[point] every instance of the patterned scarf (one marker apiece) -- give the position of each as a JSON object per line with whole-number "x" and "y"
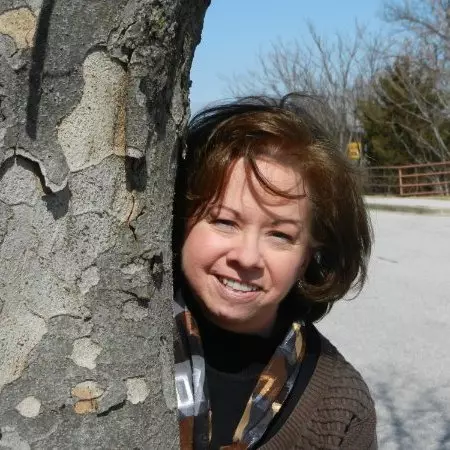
{"x": 272, "y": 388}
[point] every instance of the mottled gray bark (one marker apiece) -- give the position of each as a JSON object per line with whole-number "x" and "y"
{"x": 93, "y": 99}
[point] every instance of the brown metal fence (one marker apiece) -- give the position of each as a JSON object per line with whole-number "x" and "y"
{"x": 410, "y": 180}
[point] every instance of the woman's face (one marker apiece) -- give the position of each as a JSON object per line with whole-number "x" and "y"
{"x": 244, "y": 256}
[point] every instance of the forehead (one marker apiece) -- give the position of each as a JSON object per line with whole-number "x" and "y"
{"x": 243, "y": 190}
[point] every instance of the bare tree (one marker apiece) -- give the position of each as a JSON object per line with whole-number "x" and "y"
{"x": 427, "y": 21}
{"x": 93, "y": 103}
{"x": 424, "y": 29}
{"x": 335, "y": 70}
{"x": 421, "y": 102}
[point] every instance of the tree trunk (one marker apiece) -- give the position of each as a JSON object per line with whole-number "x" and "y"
{"x": 93, "y": 102}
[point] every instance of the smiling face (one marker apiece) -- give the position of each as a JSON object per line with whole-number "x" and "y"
{"x": 244, "y": 256}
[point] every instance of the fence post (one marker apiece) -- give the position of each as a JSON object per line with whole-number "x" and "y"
{"x": 400, "y": 181}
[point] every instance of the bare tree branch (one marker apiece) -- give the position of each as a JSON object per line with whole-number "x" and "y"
{"x": 338, "y": 71}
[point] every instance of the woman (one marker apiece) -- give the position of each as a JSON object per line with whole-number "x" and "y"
{"x": 270, "y": 231}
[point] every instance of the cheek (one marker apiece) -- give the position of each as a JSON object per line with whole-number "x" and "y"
{"x": 201, "y": 247}
{"x": 191, "y": 252}
{"x": 290, "y": 270}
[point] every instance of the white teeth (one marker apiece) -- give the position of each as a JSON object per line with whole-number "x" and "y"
{"x": 237, "y": 286}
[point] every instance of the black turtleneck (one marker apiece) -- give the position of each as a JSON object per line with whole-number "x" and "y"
{"x": 233, "y": 364}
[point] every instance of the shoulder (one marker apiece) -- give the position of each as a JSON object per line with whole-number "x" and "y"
{"x": 344, "y": 382}
{"x": 345, "y": 414}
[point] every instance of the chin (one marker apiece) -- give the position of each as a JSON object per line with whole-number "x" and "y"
{"x": 241, "y": 323}
{"x": 228, "y": 316}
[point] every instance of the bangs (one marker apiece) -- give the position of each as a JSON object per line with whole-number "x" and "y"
{"x": 206, "y": 187}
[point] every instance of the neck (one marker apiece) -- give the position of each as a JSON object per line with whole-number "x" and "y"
{"x": 232, "y": 351}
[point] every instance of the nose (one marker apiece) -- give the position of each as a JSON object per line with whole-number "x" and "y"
{"x": 246, "y": 252}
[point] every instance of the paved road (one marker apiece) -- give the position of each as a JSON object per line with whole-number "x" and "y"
{"x": 397, "y": 332}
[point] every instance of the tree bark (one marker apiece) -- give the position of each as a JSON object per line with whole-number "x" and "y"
{"x": 93, "y": 104}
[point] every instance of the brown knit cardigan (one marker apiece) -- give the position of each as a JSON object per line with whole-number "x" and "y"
{"x": 335, "y": 411}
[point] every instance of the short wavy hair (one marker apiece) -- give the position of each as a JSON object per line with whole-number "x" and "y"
{"x": 285, "y": 131}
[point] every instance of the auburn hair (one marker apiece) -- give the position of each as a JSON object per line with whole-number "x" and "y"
{"x": 286, "y": 132}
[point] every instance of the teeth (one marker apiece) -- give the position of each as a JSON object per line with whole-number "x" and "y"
{"x": 237, "y": 286}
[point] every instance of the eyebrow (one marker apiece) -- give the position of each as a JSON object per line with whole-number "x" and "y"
{"x": 281, "y": 221}
{"x": 275, "y": 222}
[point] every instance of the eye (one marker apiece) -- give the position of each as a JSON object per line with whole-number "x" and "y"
{"x": 282, "y": 236}
{"x": 223, "y": 223}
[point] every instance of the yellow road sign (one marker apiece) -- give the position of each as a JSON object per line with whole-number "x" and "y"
{"x": 354, "y": 150}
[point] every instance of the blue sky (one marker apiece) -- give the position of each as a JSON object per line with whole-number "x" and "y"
{"x": 235, "y": 31}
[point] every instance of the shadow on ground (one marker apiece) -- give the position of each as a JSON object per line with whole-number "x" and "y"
{"x": 410, "y": 415}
